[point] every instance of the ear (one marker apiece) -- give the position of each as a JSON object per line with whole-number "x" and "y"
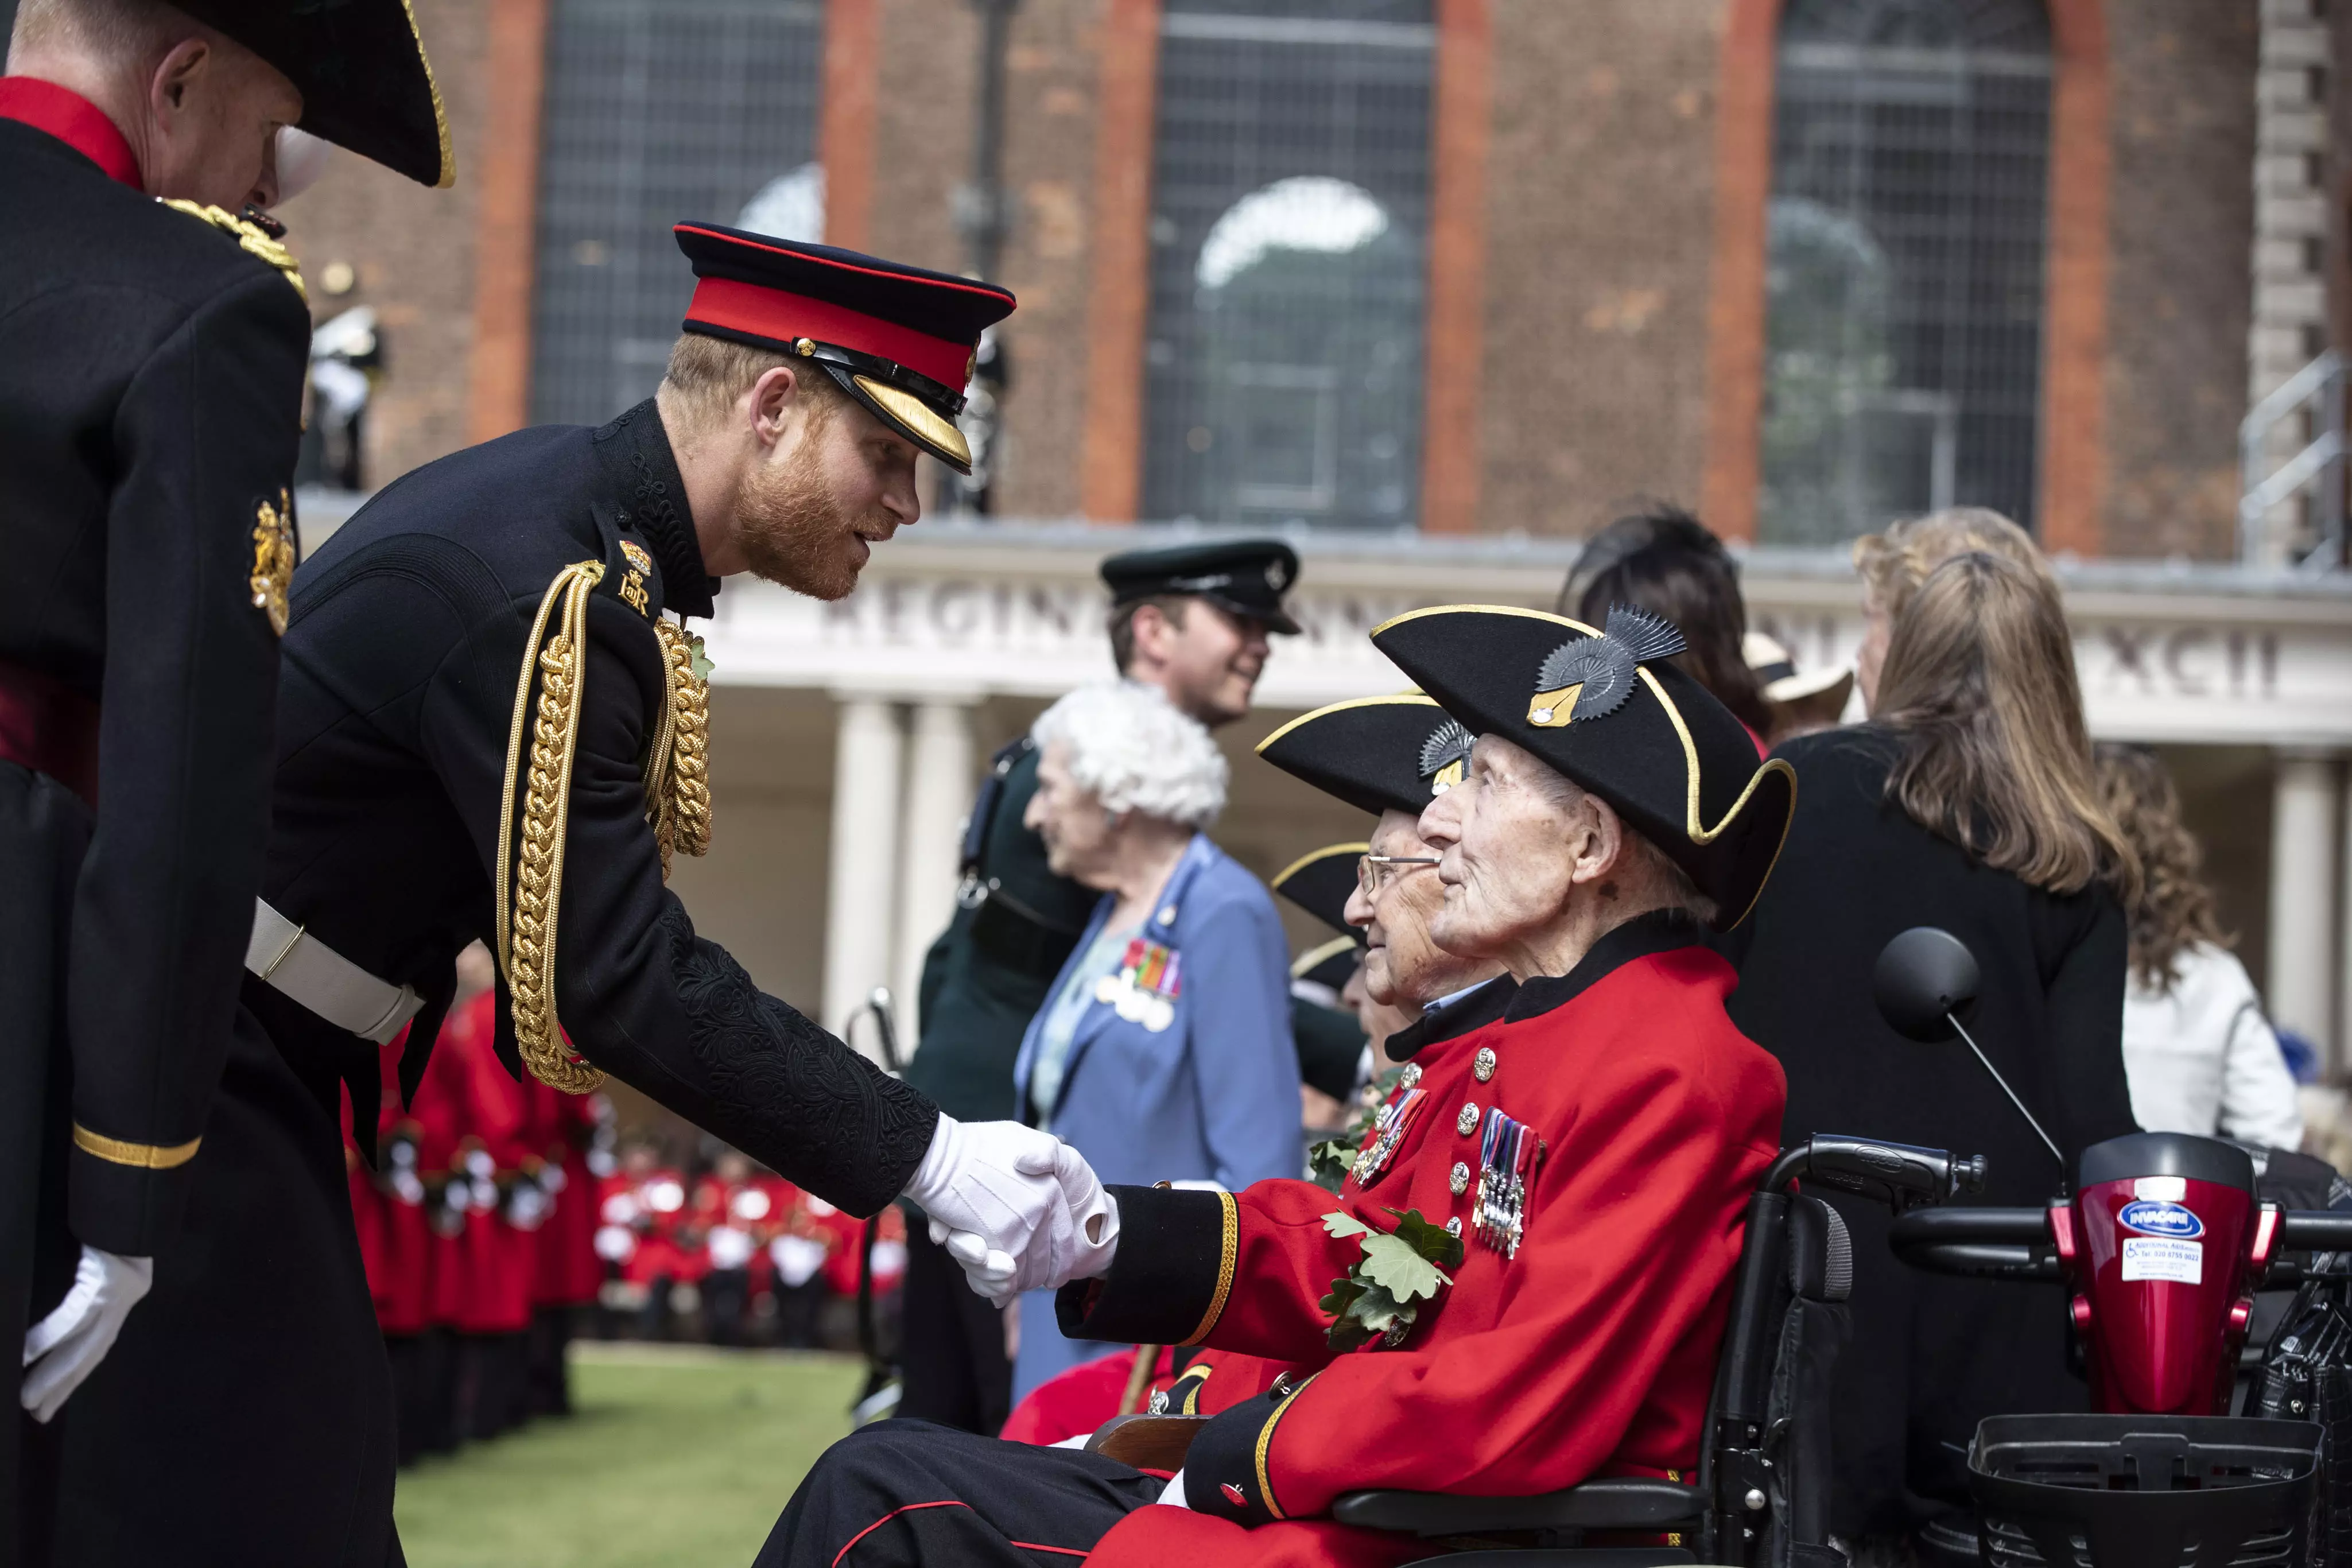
{"x": 770, "y": 403}
{"x": 179, "y": 68}
{"x": 1597, "y": 835}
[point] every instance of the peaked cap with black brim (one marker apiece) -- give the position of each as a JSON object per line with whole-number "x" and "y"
{"x": 360, "y": 68}
{"x": 1377, "y": 753}
{"x": 901, "y": 339}
{"x": 1608, "y": 713}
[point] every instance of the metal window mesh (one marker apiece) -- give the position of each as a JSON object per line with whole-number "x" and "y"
{"x": 1291, "y": 211}
{"x": 657, "y": 111}
{"x": 1910, "y": 180}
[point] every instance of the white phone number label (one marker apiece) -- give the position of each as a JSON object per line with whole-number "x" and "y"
{"x": 2161, "y": 1258}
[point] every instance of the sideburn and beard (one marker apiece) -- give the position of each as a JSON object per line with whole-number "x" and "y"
{"x": 793, "y": 531}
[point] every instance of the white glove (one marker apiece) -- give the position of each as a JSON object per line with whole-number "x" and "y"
{"x": 1095, "y": 1213}
{"x": 67, "y": 1346}
{"x": 1174, "y": 1495}
{"x": 998, "y": 1204}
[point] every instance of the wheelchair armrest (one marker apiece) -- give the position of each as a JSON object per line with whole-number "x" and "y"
{"x": 1628, "y": 1502}
{"x": 1147, "y": 1442}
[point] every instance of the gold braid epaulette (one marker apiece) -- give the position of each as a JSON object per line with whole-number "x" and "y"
{"x": 677, "y": 778}
{"x": 527, "y": 920}
{"x": 251, "y": 237}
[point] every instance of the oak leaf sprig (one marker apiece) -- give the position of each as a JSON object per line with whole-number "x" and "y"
{"x": 1378, "y": 1296}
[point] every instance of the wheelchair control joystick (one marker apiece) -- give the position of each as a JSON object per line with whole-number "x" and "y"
{"x": 1903, "y": 1176}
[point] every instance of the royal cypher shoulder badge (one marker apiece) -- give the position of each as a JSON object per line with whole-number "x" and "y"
{"x": 273, "y": 558}
{"x": 1591, "y": 676}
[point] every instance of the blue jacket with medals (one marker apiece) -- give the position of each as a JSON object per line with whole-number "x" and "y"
{"x": 1182, "y": 1068}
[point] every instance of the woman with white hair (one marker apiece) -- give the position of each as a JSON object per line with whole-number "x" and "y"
{"x": 1163, "y": 1051}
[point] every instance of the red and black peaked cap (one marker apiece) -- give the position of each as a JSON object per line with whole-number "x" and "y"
{"x": 901, "y": 339}
{"x": 360, "y": 68}
{"x": 1605, "y": 707}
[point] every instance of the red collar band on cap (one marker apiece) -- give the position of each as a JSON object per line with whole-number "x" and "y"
{"x": 772, "y": 313}
{"x": 72, "y": 119}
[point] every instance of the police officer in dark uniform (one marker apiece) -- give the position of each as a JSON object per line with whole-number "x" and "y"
{"x": 1193, "y": 620}
{"x": 152, "y": 345}
{"x": 489, "y": 727}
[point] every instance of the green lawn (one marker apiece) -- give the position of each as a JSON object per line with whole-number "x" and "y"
{"x": 677, "y": 1457}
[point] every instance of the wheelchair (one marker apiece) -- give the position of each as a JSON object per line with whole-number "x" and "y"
{"x": 1759, "y": 1498}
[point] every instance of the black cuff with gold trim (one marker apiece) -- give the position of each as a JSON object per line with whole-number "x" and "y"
{"x": 1225, "y": 1468}
{"x": 1169, "y": 1278}
{"x": 125, "y": 1197}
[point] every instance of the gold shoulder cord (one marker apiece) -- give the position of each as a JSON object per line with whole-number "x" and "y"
{"x": 526, "y": 920}
{"x": 678, "y": 805}
{"x": 250, "y": 237}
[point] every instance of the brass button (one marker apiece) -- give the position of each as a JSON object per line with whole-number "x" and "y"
{"x": 1411, "y": 1076}
{"x": 1482, "y": 1065}
{"x": 1459, "y": 1178}
{"x": 1468, "y": 1122}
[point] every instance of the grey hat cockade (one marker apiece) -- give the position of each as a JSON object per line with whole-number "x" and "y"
{"x": 1605, "y": 709}
{"x": 1247, "y": 577}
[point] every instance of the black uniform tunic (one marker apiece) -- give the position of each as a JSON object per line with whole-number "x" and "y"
{"x": 151, "y": 389}
{"x": 1930, "y": 1355}
{"x": 397, "y": 693}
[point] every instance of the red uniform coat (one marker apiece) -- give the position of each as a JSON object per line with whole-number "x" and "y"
{"x": 1591, "y": 1353}
{"x": 400, "y": 1276}
{"x": 564, "y": 1125}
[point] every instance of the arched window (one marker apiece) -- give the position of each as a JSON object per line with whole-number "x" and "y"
{"x": 1903, "y": 336}
{"x": 657, "y": 111}
{"x": 1290, "y": 208}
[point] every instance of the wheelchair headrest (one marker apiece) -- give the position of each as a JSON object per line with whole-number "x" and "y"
{"x": 1821, "y": 1252}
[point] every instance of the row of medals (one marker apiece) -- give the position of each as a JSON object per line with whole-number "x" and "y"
{"x": 1509, "y": 1154}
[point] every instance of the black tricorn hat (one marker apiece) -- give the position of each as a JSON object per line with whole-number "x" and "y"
{"x": 1606, "y": 711}
{"x": 1321, "y": 881}
{"x": 1377, "y": 753}
{"x": 360, "y": 68}
{"x": 901, "y": 339}
{"x": 1245, "y": 576}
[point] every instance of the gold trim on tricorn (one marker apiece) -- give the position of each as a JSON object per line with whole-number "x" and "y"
{"x": 1306, "y": 962}
{"x": 1314, "y": 854}
{"x": 440, "y": 114}
{"x": 138, "y": 1156}
{"x": 920, "y": 419}
{"x": 1402, "y": 699}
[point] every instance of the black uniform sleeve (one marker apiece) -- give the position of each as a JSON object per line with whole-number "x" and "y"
{"x": 638, "y": 993}
{"x": 1168, "y": 1276}
{"x": 205, "y": 435}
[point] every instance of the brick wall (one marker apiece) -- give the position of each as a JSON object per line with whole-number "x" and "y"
{"x": 2180, "y": 288}
{"x": 1600, "y": 224}
{"x": 413, "y": 252}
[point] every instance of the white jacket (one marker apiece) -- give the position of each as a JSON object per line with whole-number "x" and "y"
{"x": 2201, "y": 1056}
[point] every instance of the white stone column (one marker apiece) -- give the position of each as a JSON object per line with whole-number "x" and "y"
{"x": 863, "y": 871}
{"x": 938, "y": 797}
{"x": 2304, "y": 862}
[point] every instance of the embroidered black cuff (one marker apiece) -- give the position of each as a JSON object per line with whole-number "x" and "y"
{"x": 1170, "y": 1279}
{"x": 1225, "y": 1470}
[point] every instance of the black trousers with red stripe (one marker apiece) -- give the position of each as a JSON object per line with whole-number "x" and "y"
{"x": 911, "y": 1492}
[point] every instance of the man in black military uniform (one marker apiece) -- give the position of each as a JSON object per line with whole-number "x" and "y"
{"x": 488, "y": 727}
{"x": 1192, "y": 620}
{"x": 152, "y": 354}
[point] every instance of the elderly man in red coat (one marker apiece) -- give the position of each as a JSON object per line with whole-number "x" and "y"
{"x": 1524, "y": 1281}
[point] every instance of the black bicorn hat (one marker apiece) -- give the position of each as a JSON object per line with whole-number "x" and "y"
{"x": 360, "y": 68}
{"x": 901, "y": 339}
{"x": 1245, "y": 576}
{"x": 1377, "y": 753}
{"x": 1320, "y": 882}
{"x": 1604, "y": 708}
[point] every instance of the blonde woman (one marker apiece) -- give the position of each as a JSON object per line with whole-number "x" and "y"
{"x": 2202, "y": 1057}
{"x": 1894, "y": 563}
{"x": 1968, "y": 802}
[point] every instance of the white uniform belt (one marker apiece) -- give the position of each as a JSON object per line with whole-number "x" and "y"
{"x": 297, "y": 964}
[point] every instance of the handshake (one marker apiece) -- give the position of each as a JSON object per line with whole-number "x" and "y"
{"x": 1017, "y": 1208}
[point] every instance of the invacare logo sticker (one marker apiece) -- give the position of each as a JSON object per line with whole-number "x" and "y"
{"x": 2150, "y": 1218}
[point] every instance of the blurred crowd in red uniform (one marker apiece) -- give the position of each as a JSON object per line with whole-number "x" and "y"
{"x": 497, "y": 1221}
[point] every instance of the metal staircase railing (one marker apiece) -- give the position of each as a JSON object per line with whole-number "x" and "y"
{"x": 2265, "y": 484}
